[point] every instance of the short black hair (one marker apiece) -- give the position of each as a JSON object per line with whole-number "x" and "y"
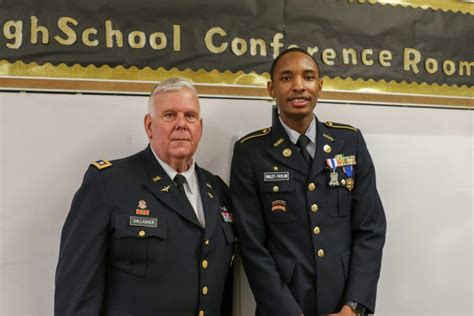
{"x": 291, "y": 50}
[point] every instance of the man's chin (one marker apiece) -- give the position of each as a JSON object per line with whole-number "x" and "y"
{"x": 181, "y": 154}
{"x": 299, "y": 115}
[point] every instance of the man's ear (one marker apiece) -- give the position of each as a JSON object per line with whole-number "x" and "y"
{"x": 202, "y": 126}
{"x": 270, "y": 89}
{"x": 320, "y": 86}
{"x": 147, "y": 125}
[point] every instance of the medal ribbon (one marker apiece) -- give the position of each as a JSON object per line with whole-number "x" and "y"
{"x": 348, "y": 171}
{"x": 332, "y": 163}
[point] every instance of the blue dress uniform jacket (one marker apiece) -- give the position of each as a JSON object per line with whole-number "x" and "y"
{"x": 307, "y": 247}
{"x": 165, "y": 264}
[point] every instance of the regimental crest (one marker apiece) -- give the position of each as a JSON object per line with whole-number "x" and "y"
{"x": 142, "y": 204}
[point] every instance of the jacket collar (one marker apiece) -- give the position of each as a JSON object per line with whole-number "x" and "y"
{"x": 284, "y": 151}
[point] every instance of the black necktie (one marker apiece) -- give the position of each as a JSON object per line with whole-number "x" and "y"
{"x": 180, "y": 180}
{"x": 302, "y": 142}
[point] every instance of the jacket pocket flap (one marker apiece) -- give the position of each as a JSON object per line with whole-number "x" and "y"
{"x": 139, "y": 227}
{"x": 277, "y": 186}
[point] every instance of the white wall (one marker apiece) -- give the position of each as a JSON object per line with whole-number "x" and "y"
{"x": 1, "y": 203}
{"x": 424, "y": 163}
{"x": 423, "y": 158}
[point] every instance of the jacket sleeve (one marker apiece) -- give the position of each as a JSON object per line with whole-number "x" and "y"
{"x": 368, "y": 232}
{"x": 227, "y": 297}
{"x": 271, "y": 294}
{"x": 80, "y": 273}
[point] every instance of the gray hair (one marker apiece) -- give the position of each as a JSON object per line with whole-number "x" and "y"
{"x": 170, "y": 84}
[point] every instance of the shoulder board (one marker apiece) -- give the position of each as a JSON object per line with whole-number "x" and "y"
{"x": 101, "y": 164}
{"x": 339, "y": 125}
{"x": 259, "y": 133}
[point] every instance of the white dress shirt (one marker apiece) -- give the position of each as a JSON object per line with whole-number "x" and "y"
{"x": 310, "y": 133}
{"x": 191, "y": 187}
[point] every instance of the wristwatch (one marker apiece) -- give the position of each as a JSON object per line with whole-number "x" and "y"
{"x": 359, "y": 309}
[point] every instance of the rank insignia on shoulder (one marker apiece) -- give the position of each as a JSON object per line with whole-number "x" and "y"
{"x": 279, "y": 206}
{"x": 101, "y": 164}
{"x": 258, "y": 133}
{"x": 227, "y": 216}
{"x": 339, "y": 125}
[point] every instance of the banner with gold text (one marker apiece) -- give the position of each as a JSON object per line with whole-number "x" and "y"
{"x": 362, "y": 46}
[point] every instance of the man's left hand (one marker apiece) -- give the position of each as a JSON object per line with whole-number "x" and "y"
{"x": 346, "y": 310}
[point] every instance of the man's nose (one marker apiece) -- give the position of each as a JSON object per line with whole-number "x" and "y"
{"x": 298, "y": 84}
{"x": 181, "y": 121}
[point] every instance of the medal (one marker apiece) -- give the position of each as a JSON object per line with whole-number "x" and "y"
{"x": 349, "y": 184}
{"x": 349, "y": 181}
{"x": 333, "y": 177}
{"x": 333, "y": 182}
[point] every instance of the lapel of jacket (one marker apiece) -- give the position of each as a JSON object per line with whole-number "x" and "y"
{"x": 324, "y": 139}
{"x": 210, "y": 202}
{"x": 165, "y": 190}
{"x": 281, "y": 148}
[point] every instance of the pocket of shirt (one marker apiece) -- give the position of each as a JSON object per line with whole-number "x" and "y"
{"x": 277, "y": 201}
{"x": 139, "y": 250}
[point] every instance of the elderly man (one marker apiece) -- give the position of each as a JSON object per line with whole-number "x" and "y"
{"x": 310, "y": 222}
{"x": 150, "y": 234}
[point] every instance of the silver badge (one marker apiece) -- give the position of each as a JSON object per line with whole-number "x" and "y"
{"x": 334, "y": 179}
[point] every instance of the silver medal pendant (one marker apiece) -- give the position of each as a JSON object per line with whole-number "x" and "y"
{"x": 334, "y": 181}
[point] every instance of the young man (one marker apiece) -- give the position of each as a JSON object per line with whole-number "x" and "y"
{"x": 310, "y": 222}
